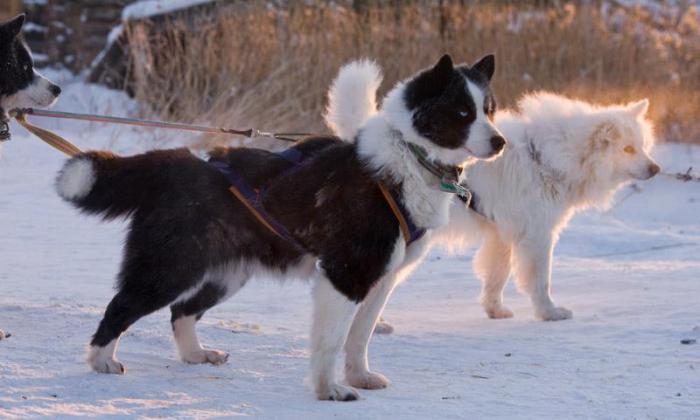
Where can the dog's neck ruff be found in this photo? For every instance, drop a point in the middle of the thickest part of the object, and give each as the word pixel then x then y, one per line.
pixel 447 175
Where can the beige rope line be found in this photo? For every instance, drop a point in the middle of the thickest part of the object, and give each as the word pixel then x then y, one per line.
pixel 50 138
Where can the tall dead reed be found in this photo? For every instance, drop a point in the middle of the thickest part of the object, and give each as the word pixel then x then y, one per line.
pixel 248 64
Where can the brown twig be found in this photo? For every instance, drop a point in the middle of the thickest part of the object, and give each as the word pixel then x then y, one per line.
pixel 683 176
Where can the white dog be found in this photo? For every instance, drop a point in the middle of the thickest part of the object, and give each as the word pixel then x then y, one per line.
pixel 563 156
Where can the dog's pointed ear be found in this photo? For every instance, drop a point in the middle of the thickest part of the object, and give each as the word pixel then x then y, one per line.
pixel 639 108
pixel 486 66
pixel 440 75
pixel 12 27
pixel 430 82
pixel 443 67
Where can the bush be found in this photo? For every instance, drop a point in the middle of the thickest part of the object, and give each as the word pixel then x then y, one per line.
pixel 254 65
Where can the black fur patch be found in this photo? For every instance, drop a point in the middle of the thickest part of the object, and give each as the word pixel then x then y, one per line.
pixel 443 109
pixel 335 208
pixel 16 66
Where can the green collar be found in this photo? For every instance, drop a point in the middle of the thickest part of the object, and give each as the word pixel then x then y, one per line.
pixel 448 175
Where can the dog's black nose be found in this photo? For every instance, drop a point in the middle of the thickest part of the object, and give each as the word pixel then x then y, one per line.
pixel 497 143
pixel 654 169
pixel 55 90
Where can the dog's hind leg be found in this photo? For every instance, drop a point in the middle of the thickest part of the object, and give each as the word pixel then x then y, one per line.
pixel 492 266
pixel 191 351
pixel 146 285
pixel 124 309
pixel 533 273
pixel 185 315
pixel 332 314
pixel 357 371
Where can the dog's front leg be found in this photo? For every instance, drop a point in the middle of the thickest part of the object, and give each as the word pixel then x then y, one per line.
pixel 357 371
pixel 533 272
pixel 332 314
pixel 492 266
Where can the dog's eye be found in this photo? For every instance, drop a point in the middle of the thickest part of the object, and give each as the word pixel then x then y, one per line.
pixel 629 149
pixel 463 114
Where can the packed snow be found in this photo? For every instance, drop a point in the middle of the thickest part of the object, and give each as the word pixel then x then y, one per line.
pixel 631 275
pixel 149 8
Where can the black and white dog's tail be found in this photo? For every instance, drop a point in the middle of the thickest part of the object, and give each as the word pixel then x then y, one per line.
pixel 352 98
pixel 111 186
pixel 99 183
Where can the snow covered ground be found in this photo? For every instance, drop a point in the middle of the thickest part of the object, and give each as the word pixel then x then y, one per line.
pixel 631 275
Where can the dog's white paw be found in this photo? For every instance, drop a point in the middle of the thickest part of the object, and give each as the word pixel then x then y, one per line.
pixel 337 392
pixel 215 357
pixel 367 380
pixel 383 327
pixel 499 312
pixel 555 314
pixel 101 360
pixel 109 365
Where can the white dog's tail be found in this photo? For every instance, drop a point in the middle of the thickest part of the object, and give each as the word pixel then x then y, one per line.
pixel 352 98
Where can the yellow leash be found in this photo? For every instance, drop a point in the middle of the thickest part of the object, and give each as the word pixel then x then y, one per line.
pixel 63 145
pixel 52 139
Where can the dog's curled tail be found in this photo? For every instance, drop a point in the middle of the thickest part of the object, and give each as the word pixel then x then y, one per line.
pixel 99 183
pixel 352 98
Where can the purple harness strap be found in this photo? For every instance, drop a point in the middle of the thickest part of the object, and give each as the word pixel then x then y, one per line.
pixel 252 199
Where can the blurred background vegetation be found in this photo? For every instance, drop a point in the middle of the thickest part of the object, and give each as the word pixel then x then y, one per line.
pixel 269 63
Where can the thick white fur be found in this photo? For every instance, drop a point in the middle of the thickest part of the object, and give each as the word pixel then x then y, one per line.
pixel 352 98
pixel 332 315
pixel 103 360
pixel 357 371
pixel 76 179
pixel 191 351
pixel 563 156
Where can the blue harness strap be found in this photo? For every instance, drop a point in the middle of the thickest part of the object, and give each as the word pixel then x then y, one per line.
pixel 252 200
pixel 293 155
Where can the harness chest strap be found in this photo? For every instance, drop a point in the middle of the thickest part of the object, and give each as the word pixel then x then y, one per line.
pixel 252 200
pixel 396 209
pixel 409 234
pixel 254 211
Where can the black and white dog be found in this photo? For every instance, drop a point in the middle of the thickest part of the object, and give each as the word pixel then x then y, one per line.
pixel 20 85
pixel 191 244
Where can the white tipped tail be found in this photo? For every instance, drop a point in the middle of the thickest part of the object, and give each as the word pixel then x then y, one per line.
pixel 352 98
pixel 76 179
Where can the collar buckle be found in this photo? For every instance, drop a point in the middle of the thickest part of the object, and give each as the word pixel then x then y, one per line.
pixel 452 186
pixel 448 175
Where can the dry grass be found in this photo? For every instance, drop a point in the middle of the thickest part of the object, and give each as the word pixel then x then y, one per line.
pixel 249 65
